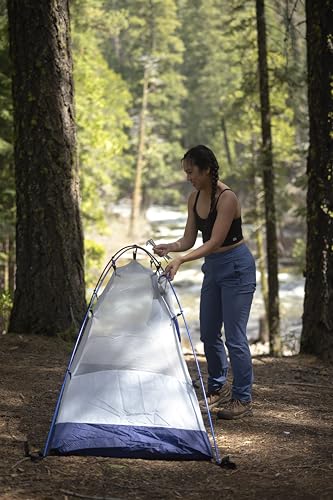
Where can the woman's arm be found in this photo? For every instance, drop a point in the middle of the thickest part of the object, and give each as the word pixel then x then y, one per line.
pixel 190 234
pixel 226 211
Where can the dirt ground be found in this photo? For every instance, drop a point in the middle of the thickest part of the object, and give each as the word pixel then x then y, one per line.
pixel 283 451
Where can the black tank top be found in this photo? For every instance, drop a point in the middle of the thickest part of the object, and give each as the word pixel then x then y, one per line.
pixel 206 225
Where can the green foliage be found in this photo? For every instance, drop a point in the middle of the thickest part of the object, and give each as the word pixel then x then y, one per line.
pixel 94 254
pixel 102 101
pixel 221 76
pixel 298 254
pixel 7 181
pixel 204 71
pixel 6 305
pixel 147 39
pixel 203 74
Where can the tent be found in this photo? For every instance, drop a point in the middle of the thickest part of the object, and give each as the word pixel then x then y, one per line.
pixel 127 391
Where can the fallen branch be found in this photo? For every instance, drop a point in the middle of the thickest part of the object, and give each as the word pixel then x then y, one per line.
pixel 19 461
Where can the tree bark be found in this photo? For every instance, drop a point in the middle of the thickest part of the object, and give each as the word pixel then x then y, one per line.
pixel 317 333
pixel 50 293
pixel 268 180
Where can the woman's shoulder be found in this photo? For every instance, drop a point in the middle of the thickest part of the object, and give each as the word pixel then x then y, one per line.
pixel 224 192
pixel 227 199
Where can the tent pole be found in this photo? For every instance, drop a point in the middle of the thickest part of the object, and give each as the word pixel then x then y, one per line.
pixel 217 453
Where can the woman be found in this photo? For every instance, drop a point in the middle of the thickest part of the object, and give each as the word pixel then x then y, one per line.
pixel 228 284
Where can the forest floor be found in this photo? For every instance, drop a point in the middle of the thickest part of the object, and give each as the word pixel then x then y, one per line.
pixel 284 451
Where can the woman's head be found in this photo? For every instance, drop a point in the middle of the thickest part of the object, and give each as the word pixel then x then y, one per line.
pixel 202 157
pixel 200 165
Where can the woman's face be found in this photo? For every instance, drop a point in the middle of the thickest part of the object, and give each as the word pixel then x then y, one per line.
pixel 198 178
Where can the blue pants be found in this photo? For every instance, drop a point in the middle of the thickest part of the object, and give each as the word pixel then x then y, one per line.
pixel 226 298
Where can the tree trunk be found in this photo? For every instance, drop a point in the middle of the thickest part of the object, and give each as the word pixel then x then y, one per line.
pixel 317 333
pixel 137 192
pixel 256 188
pixel 268 180
pixel 263 325
pixel 50 294
pixel 226 141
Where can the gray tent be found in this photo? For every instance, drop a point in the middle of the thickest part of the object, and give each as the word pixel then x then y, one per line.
pixel 127 391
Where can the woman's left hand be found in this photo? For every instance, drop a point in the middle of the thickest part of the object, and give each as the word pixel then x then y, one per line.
pixel 173 267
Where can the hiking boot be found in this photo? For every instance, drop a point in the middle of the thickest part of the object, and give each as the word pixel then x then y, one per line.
pixel 236 409
pixel 216 398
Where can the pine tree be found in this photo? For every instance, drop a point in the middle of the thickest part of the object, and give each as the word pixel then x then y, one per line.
pixel 317 333
pixel 50 293
pixel 269 187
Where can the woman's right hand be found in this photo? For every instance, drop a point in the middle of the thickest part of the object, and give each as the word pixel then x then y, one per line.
pixel 161 250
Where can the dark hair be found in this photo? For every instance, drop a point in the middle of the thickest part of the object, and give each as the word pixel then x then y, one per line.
pixel 204 159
